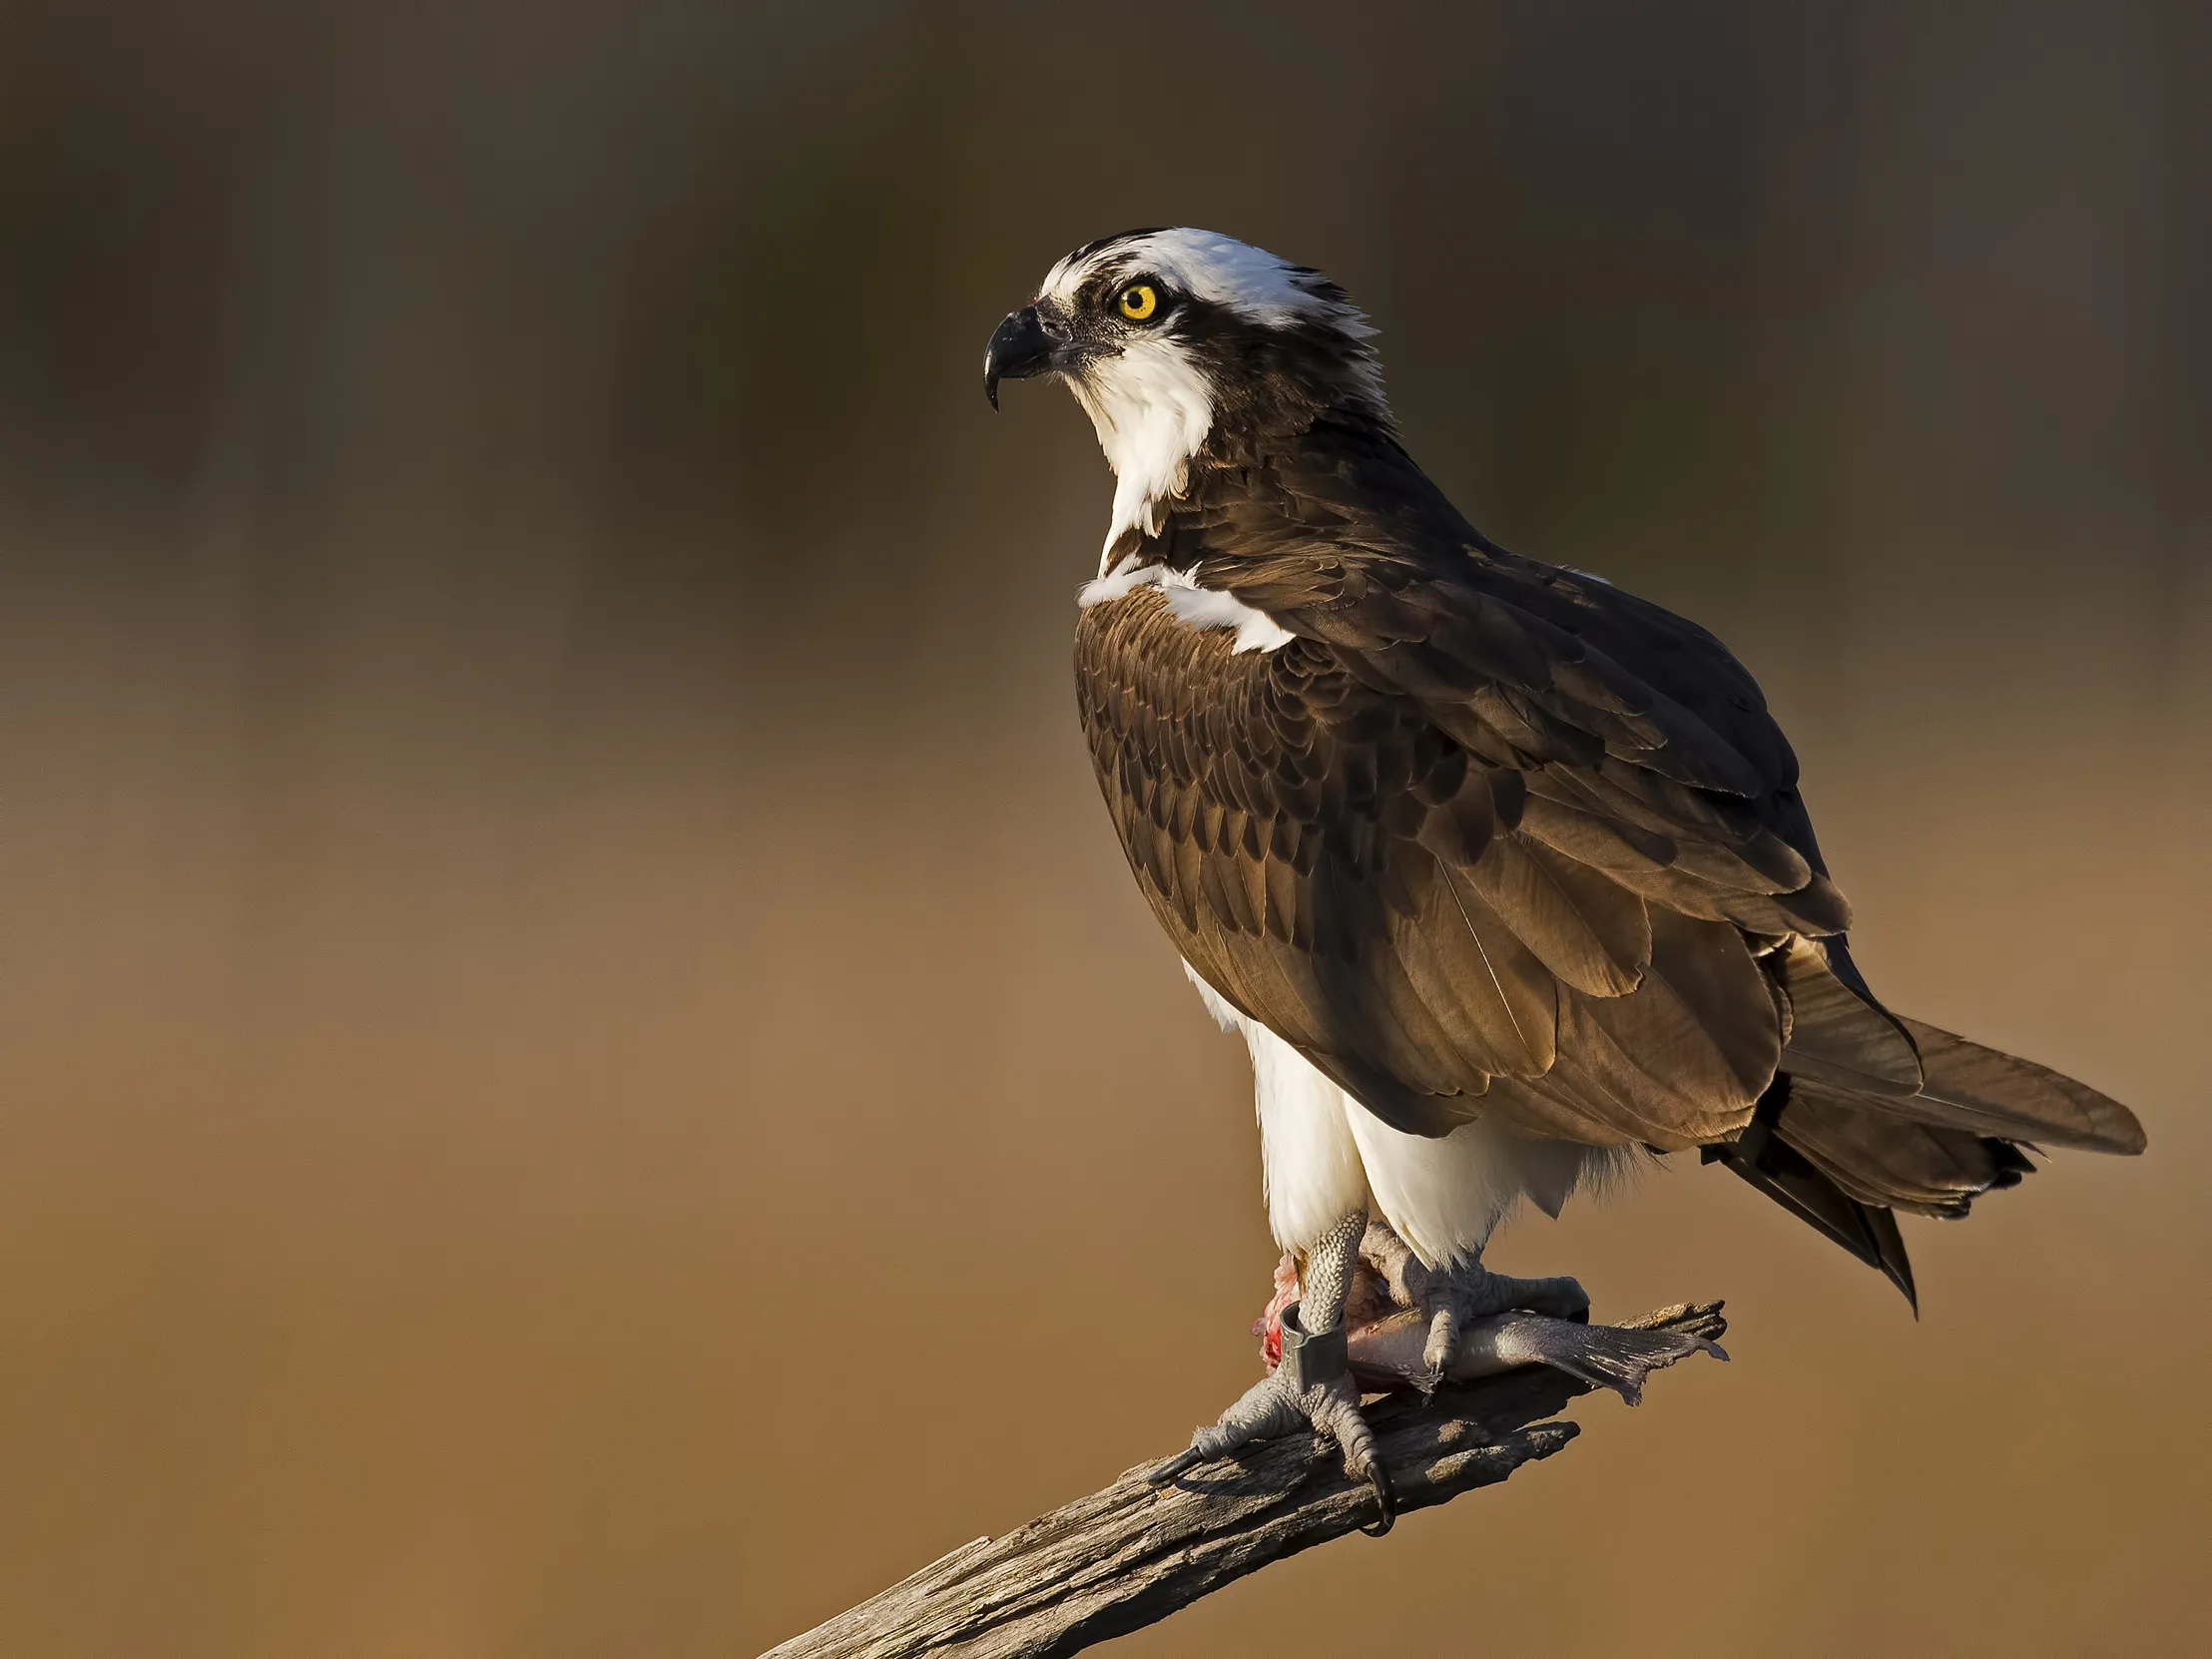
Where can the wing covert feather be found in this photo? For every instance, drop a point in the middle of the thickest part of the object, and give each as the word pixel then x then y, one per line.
pixel 1417 916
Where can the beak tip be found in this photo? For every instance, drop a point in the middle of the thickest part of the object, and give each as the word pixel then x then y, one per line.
pixel 1019 348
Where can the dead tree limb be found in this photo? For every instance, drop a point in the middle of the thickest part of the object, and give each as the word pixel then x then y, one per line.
pixel 1128 1555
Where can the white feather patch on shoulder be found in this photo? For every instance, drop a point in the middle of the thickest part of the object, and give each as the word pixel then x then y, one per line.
pixel 1127 578
pixel 1210 608
pixel 1190 603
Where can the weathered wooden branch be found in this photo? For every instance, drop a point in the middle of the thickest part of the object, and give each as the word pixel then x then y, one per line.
pixel 1128 1555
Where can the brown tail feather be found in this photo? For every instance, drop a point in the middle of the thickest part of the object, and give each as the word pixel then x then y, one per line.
pixel 1838 1032
pixel 1876 1156
pixel 1841 1150
pixel 1770 1163
pixel 1970 1087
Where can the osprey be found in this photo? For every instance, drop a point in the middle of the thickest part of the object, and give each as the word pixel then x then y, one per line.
pixel 1501 873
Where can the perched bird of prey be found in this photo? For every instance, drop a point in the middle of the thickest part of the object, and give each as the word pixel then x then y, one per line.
pixel 1501 873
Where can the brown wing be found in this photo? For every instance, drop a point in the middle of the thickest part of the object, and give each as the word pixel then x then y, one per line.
pixel 1493 837
pixel 1455 854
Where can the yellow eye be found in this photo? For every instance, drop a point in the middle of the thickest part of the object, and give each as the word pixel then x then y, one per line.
pixel 1138 301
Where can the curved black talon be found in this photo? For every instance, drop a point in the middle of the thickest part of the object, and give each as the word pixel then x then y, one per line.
pixel 1385 1500
pixel 1187 1458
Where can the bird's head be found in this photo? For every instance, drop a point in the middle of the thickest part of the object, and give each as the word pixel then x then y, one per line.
pixel 1182 345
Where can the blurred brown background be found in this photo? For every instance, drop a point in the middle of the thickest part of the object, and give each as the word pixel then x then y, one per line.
pixel 558 940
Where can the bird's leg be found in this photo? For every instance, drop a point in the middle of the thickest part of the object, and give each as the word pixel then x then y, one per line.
pixel 1312 1386
pixel 1454 1295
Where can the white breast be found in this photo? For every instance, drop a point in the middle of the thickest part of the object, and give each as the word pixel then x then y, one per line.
pixel 1321 1152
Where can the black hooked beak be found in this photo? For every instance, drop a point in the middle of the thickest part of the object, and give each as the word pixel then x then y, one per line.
pixel 1020 348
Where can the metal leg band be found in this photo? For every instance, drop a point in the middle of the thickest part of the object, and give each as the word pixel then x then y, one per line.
pixel 1308 1359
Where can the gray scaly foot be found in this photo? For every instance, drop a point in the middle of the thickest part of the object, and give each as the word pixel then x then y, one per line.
pixel 1453 1298
pixel 1312 1387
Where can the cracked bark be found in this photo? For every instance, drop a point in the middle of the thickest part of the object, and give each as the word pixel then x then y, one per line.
pixel 1128 1555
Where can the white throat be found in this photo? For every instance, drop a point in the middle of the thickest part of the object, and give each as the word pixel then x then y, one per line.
pixel 1153 409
